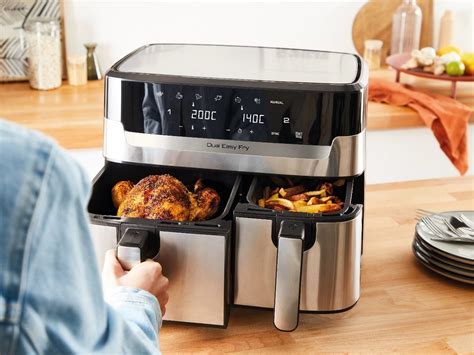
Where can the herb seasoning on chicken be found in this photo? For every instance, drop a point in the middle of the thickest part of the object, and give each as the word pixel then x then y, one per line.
pixel 165 197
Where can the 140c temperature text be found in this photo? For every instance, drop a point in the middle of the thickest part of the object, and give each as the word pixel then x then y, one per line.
pixel 253 118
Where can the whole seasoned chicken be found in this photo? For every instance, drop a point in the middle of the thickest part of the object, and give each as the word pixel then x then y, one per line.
pixel 165 197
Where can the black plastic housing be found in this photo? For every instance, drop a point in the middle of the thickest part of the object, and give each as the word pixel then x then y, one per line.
pixel 320 116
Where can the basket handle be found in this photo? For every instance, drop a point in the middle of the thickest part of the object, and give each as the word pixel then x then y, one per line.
pixel 288 275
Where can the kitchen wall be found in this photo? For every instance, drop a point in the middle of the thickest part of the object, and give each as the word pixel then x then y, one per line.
pixel 119 26
pixel 122 26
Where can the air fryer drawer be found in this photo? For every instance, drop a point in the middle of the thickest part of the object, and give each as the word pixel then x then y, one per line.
pixel 197 266
pixel 330 278
pixel 195 255
pixel 196 261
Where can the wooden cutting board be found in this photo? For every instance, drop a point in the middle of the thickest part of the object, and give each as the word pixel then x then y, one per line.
pixel 374 21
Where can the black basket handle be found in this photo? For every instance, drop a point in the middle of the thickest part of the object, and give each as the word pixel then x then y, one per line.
pixel 288 275
pixel 136 246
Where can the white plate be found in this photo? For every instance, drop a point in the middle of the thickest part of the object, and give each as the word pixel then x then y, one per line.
pixel 443 265
pixel 464 251
pixel 440 271
pixel 443 257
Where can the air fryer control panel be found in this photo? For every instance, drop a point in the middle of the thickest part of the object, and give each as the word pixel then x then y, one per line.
pixel 258 115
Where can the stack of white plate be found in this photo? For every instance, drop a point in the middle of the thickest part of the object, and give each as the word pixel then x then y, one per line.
pixel 451 259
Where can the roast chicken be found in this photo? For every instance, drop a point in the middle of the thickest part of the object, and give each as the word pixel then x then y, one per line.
pixel 165 197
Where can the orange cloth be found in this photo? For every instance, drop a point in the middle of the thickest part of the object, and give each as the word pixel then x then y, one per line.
pixel 447 118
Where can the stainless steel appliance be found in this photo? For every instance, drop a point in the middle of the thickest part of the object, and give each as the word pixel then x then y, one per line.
pixel 239 116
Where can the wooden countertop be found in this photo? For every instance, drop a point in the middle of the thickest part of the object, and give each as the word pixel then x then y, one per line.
pixel 403 306
pixel 73 115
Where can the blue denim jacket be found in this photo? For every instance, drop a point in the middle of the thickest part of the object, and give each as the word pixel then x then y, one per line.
pixel 51 299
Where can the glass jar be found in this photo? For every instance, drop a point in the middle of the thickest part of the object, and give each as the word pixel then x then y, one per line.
pixel 44 53
pixel 406 28
pixel 373 53
pixel 77 69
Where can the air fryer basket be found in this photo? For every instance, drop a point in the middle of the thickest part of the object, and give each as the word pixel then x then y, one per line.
pixel 225 183
pixel 344 192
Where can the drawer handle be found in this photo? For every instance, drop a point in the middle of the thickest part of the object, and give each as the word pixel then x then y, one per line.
pixel 288 275
pixel 135 246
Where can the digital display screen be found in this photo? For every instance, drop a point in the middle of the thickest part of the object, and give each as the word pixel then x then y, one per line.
pixel 273 116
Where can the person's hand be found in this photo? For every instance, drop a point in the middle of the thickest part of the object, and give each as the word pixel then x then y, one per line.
pixel 147 276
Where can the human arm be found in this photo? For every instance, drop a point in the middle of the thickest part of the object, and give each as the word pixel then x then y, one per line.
pixel 50 291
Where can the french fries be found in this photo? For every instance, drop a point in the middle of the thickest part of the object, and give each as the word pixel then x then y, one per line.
pixel 299 197
pixel 314 201
pixel 296 199
pixel 286 193
pixel 273 197
pixel 321 193
pixel 325 207
pixel 299 203
pixel 280 202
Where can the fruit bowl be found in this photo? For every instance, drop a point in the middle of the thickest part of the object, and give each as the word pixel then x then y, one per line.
pixel 396 61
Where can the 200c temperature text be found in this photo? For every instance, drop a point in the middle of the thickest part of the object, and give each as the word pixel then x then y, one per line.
pixel 203 115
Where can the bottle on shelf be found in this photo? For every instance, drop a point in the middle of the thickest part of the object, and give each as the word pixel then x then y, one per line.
pixel 93 67
pixel 446 29
pixel 406 28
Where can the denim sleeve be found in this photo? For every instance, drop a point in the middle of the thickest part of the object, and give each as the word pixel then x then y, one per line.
pixel 138 307
pixel 51 299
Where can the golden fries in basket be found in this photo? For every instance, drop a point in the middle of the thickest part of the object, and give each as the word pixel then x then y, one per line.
pixel 296 199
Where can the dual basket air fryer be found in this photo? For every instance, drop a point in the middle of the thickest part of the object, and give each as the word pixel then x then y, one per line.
pixel 171 110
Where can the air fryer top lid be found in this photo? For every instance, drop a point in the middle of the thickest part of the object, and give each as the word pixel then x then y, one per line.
pixel 238 63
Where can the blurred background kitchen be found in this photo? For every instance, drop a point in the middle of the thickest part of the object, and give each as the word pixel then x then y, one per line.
pixel 399 145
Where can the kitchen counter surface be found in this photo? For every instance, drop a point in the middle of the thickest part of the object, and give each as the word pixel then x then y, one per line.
pixel 403 307
pixel 73 115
